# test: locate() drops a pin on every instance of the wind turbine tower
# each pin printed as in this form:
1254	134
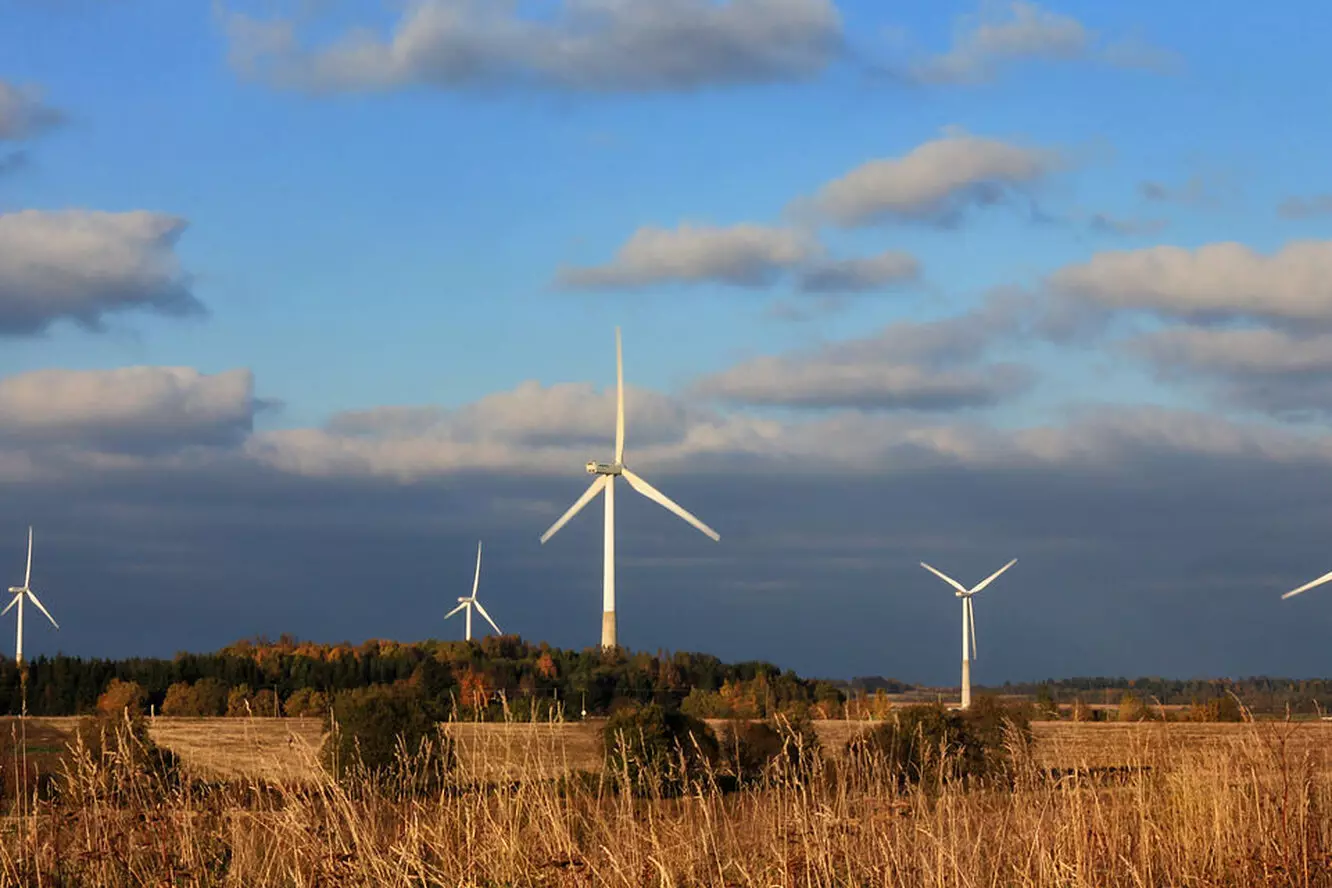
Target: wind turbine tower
968	621
20	593
606	473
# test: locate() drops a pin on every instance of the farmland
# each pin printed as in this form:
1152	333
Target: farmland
280	749
1205	804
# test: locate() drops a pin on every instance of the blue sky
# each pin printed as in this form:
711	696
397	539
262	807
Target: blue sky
437	227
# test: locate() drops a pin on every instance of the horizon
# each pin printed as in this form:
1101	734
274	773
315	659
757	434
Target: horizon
300	300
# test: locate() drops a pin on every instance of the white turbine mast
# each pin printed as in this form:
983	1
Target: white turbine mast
25	592
470	602
968	621
605	483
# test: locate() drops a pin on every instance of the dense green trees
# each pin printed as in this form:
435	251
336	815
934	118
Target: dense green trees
485	677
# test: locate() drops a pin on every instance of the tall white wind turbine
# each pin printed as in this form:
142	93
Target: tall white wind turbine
968	621
605	483
468	603
20	593
1309	585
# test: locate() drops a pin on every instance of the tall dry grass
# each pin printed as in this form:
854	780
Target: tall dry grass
1254	813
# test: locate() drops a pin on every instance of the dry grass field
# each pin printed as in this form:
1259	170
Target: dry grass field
287	749
1200	805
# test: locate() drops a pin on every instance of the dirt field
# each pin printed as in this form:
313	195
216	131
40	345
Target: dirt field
288	748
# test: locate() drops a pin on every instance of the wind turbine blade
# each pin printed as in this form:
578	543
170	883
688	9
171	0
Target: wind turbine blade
456	609
13	601
946	578
1307	586
476	580
33	598
619	399
487	616
27	576
666	502
992	577
583	500
971	618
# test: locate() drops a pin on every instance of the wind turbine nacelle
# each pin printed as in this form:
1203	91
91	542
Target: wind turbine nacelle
596	468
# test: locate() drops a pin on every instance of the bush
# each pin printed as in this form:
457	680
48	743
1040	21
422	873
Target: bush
121	696
112	758
923	742
384	733
306	703
1217	709
207	697
768	751
657	750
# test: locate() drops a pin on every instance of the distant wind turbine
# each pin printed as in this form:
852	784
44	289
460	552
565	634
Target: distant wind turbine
20	593
605	483
1307	586
968	621
468	603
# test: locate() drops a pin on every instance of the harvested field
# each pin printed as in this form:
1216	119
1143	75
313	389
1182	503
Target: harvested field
1239	807
227	748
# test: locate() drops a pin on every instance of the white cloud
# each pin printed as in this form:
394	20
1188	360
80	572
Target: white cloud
739	255
1219	280
130	408
580	45
1002	34
23	114
935	182
81	265
907	366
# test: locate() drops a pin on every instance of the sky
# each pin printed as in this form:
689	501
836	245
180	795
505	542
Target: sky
300	299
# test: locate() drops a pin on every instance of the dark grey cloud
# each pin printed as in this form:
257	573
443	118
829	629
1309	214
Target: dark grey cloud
1004	34
23	113
859	275
936	183
1305	207
1104	223
1288	375
589	46
1114	516
1196	191
82	265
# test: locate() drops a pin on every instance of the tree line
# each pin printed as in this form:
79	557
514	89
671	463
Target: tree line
292	677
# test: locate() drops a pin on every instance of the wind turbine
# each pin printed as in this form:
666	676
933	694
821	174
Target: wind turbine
1307	586
605	483
20	593
968	621
468	603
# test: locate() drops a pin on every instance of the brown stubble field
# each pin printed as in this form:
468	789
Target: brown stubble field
1205	805
287	748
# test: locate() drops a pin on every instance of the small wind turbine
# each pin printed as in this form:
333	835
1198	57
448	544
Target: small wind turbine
20	593
1307	586
605	482
468	603
968	621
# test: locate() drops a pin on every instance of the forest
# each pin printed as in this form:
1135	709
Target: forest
498	673
294	677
